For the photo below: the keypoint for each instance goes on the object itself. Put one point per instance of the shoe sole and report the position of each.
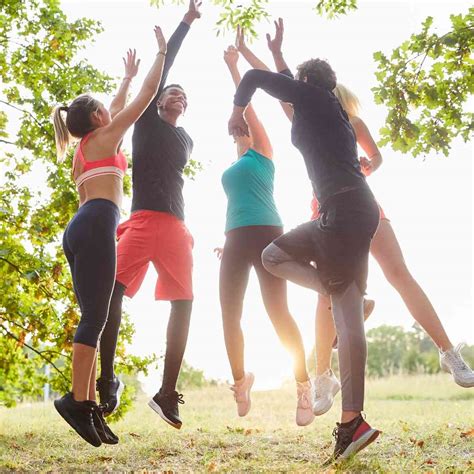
(250, 401)
(156, 408)
(119, 394)
(361, 443)
(328, 406)
(457, 382)
(307, 422)
(70, 421)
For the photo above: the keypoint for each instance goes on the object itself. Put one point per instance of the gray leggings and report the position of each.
(347, 308)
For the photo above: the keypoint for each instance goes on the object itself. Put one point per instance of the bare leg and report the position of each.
(83, 360)
(386, 250)
(92, 391)
(325, 334)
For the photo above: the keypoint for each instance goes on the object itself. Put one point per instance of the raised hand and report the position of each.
(131, 64)
(219, 252)
(237, 125)
(240, 39)
(160, 40)
(193, 12)
(366, 165)
(231, 56)
(274, 45)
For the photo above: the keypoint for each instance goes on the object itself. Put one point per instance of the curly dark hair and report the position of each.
(318, 72)
(170, 86)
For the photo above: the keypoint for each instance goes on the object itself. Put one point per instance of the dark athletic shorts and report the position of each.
(338, 241)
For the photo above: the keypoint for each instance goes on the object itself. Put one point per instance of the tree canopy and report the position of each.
(39, 68)
(425, 83)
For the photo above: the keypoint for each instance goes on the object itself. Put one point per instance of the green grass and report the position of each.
(422, 419)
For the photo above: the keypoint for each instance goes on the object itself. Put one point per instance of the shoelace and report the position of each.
(238, 397)
(322, 384)
(456, 358)
(179, 398)
(304, 396)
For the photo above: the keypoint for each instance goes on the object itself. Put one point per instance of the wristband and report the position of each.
(161, 52)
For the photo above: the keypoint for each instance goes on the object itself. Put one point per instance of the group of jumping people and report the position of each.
(328, 254)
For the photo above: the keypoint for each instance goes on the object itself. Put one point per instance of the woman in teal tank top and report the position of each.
(252, 223)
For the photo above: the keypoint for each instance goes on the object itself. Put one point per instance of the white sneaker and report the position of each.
(304, 412)
(451, 361)
(325, 388)
(241, 391)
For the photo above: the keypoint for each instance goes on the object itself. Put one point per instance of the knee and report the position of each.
(272, 256)
(89, 332)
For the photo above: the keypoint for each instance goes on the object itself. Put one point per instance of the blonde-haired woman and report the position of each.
(89, 240)
(386, 250)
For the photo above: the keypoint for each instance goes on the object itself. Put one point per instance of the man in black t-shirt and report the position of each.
(156, 233)
(330, 254)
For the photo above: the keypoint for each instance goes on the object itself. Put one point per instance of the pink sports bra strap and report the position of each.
(82, 142)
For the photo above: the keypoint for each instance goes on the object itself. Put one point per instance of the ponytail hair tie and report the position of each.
(65, 108)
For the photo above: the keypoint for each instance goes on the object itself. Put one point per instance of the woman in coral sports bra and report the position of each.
(89, 240)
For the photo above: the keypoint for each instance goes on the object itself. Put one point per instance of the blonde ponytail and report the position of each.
(349, 101)
(61, 132)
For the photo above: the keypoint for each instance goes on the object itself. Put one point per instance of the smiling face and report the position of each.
(174, 100)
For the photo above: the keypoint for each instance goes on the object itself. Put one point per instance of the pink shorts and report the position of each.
(164, 240)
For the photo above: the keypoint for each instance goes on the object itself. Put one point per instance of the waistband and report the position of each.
(100, 202)
(351, 193)
(148, 213)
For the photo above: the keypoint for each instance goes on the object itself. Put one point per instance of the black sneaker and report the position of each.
(352, 437)
(166, 405)
(79, 416)
(110, 391)
(106, 435)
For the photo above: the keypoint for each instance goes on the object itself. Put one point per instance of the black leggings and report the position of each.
(89, 245)
(242, 251)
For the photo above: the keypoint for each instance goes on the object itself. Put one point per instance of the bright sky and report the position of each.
(429, 201)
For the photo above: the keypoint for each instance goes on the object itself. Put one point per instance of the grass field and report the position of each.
(427, 425)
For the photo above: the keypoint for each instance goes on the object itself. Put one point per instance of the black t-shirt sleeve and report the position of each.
(174, 44)
(277, 85)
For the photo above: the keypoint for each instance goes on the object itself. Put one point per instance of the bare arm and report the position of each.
(274, 45)
(367, 143)
(259, 140)
(131, 68)
(130, 114)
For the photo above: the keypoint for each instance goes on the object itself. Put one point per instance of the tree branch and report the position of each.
(8, 333)
(26, 112)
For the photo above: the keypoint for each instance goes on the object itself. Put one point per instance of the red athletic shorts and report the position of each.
(315, 210)
(164, 240)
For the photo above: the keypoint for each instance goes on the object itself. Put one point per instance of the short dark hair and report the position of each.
(318, 72)
(170, 86)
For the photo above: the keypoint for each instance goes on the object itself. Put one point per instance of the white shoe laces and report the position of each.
(455, 358)
(304, 395)
(323, 383)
